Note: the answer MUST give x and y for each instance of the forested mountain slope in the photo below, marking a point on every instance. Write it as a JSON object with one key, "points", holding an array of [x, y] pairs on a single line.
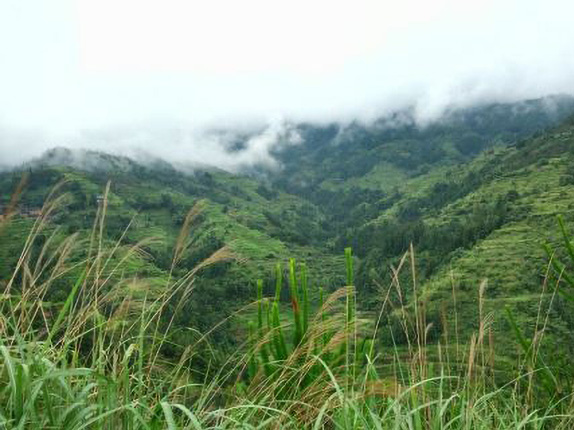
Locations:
{"points": [[483, 221], [508, 219], [259, 225], [473, 193], [356, 171]]}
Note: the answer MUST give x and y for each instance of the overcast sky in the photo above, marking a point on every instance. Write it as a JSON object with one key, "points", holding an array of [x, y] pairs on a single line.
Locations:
{"points": [[153, 74]]}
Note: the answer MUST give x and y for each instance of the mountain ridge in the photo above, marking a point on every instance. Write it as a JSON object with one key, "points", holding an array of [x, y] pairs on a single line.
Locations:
{"points": [[459, 212]]}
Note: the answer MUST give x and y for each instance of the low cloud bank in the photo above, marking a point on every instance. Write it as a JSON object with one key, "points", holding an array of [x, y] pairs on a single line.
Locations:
{"points": [[220, 82]]}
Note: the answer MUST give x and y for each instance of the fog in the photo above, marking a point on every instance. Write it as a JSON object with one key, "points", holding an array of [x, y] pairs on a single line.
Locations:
{"points": [[184, 79]]}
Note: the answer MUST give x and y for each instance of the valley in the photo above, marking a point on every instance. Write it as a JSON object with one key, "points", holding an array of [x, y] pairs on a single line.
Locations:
{"points": [[448, 233]]}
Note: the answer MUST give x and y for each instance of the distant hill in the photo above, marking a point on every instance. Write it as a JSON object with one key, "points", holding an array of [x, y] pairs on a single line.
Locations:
{"points": [[475, 193]]}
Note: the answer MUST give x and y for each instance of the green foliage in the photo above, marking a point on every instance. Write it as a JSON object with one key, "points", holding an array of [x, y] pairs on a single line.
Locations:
{"points": [[88, 375], [103, 325], [325, 347], [563, 271]]}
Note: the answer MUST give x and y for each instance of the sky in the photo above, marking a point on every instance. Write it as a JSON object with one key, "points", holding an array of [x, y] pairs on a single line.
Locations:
{"points": [[158, 76]]}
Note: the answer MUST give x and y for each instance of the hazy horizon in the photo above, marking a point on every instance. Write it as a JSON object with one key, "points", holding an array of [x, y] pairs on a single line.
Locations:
{"points": [[157, 76]]}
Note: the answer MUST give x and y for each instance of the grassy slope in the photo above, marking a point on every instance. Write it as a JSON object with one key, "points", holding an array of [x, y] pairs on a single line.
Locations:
{"points": [[528, 176], [510, 258], [260, 229], [263, 226]]}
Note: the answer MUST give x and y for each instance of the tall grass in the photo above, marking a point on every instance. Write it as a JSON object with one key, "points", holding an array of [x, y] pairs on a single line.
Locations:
{"points": [[96, 359]]}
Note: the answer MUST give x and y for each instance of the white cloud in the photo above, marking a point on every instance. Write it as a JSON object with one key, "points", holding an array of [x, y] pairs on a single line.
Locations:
{"points": [[130, 68]]}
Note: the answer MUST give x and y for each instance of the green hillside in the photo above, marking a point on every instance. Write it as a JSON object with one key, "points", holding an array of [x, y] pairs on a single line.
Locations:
{"points": [[494, 232], [474, 195], [422, 295], [482, 217], [259, 225]]}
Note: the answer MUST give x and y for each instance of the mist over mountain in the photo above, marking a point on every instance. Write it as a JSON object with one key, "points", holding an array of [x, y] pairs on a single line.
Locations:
{"points": [[457, 189], [281, 148], [256, 69]]}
